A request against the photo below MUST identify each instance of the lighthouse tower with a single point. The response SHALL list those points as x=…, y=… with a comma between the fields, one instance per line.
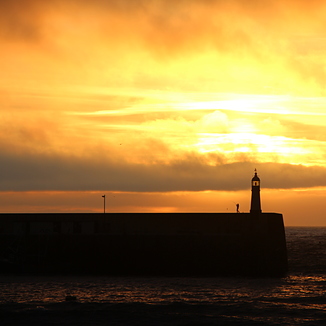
x=255, y=194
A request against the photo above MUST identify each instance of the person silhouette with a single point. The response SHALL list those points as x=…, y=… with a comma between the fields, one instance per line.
x=238, y=205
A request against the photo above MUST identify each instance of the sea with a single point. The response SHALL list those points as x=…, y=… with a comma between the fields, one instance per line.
x=297, y=299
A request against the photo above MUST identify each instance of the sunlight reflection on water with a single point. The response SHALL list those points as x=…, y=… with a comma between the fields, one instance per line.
x=160, y=290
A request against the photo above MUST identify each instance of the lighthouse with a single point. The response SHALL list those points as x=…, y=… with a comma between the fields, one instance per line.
x=255, y=194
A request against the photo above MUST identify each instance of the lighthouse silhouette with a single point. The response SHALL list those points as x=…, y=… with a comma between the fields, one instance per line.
x=255, y=194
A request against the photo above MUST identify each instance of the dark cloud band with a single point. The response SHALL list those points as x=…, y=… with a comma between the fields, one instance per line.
x=36, y=172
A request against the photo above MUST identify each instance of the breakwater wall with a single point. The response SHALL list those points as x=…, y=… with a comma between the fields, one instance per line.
x=189, y=244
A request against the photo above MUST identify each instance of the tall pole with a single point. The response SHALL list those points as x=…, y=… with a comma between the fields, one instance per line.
x=104, y=202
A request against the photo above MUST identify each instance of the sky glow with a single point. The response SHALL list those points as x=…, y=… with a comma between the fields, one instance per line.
x=159, y=99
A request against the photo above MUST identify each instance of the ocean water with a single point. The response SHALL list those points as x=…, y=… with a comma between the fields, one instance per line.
x=298, y=299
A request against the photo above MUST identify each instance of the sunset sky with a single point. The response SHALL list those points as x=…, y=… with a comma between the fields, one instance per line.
x=163, y=105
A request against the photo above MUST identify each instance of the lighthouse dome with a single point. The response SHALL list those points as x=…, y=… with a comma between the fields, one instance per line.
x=255, y=178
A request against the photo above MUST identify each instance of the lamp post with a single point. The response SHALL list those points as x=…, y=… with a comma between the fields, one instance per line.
x=104, y=202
